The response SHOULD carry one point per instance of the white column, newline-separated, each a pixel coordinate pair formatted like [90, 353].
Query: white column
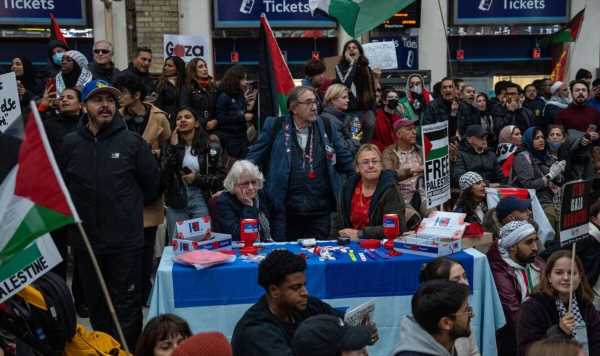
[119, 30]
[585, 53]
[433, 49]
[195, 18]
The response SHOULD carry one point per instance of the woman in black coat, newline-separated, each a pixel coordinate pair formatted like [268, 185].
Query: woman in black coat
[29, 86]
[546, 313]
[169, 87]
[200, 93]
[244, 199]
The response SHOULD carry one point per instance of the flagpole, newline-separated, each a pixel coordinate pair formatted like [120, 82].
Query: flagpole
[111, 307]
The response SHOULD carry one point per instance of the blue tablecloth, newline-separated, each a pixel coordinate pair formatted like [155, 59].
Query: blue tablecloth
[215, 299]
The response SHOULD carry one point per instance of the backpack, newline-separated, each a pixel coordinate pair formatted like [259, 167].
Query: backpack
[93, 343]
[45, 330]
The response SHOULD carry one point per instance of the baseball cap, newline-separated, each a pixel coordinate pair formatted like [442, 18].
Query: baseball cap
[402, 122]
[508, 205]
[475, 130]
[328, 335]
[98, 86]
[205, 344]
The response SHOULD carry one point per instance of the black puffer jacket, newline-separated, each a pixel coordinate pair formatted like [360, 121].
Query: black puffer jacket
[202, 101]
[110, 177]
[209, 179]
[486, 164]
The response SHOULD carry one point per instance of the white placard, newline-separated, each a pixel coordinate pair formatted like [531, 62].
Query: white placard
[184, 46]
[10, 109]
[381, 55]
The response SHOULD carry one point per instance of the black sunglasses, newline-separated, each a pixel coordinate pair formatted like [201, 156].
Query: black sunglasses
[101, 51]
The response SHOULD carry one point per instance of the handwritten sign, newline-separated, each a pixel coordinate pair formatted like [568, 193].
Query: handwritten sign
[10, 109]
[381, 55]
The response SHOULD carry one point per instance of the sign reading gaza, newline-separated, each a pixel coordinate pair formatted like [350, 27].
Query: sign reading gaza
[482, 12]
[281, 13]
[37, 12]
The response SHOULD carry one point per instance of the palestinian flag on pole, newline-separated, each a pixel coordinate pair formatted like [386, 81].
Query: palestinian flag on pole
[568, 34]
[55, 33]
[274, 75]
[33, 196]
[435, 141]
[358, 17]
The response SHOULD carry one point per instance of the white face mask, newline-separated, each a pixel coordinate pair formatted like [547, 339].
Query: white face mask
[417, 89]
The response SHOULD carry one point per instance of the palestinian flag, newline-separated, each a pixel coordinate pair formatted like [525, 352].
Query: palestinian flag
[55, 33]
[358, 17]
[33, 196]
[506, 156]
[560, 68]
[435, 141]
[570, 32]
[274, 75]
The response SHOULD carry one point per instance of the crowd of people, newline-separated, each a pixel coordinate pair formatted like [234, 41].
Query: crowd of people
[136, 152]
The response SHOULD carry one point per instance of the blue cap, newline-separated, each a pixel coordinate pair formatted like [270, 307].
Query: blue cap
[509, 204]
[98, 86]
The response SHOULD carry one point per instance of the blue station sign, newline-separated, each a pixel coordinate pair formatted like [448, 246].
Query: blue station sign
[37, 12]
[483, 12]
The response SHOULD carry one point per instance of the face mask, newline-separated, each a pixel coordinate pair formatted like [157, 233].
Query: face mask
[57, 58]
[392, 104]
[554, 146]
[417, 89]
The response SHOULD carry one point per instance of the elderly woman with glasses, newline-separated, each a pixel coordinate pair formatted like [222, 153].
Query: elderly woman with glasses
[244, 199]
[367, 196]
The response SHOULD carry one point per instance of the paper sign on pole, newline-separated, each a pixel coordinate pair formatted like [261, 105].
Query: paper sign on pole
[381, 55]
[574, 211]
[437, 163]
[27, 265]
[10, 109]
[184, 46]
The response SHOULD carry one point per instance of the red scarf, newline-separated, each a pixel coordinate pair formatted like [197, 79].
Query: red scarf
[204, 83]
[383, 136]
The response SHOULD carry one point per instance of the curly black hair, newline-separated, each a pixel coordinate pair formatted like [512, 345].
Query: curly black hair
[132, 83]
[277, 265]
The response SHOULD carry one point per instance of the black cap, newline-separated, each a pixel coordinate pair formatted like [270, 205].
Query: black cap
[328, 335]
[475, 130]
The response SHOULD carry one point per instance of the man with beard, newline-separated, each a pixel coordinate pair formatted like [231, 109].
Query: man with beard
[268, 327]
[440, 315]
[578, 115]
[140, 67]
[516, 269]
[111, 173]
[474, 155]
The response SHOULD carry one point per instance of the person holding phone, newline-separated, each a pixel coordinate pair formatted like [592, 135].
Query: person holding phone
[191, 170]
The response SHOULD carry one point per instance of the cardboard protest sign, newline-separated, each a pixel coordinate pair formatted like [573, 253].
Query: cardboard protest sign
[185, 47]
[574, 211]
[437, 163]
[10, 109]
[381, 55]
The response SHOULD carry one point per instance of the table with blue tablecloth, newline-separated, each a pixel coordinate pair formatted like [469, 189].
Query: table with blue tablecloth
[216, 298]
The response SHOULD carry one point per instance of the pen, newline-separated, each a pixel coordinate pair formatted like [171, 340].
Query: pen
[352, 256]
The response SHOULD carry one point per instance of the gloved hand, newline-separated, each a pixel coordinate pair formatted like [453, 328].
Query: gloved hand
[557, 169]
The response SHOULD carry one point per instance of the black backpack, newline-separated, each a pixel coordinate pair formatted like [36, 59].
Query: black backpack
[46, 331]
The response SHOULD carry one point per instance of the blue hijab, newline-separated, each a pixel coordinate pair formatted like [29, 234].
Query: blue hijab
[528, 143]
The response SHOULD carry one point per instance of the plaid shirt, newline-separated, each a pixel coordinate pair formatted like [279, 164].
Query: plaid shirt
[404, 161]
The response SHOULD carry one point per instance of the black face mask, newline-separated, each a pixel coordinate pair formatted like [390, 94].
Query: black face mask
[392, 104]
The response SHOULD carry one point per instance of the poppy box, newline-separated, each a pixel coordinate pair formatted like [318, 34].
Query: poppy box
[197, 229]
[216, 242]
[432, 247]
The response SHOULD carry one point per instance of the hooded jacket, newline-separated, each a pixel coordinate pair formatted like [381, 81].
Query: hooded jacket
[385, 200]
[485, 163]
[416, 341]
[110, 177]
[52, 69]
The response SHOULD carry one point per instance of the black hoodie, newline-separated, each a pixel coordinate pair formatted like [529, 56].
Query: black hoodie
[110, 177]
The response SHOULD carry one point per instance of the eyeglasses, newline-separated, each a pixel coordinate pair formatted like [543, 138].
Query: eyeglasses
[367, 162]
[468, 311]
[101, 51]
[247, 184]
[308, 102]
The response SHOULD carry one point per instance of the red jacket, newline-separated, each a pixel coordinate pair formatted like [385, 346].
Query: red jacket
[578, 117]
[510, 297]
[383, 136]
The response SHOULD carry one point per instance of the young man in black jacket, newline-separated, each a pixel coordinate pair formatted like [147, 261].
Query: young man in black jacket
[111, 173]
[268, 327]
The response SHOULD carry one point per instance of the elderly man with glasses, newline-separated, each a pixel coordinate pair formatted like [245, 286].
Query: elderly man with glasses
[304, 156]
[103, 67]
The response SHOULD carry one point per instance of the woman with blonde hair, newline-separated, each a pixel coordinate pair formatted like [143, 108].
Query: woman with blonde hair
[335, 106]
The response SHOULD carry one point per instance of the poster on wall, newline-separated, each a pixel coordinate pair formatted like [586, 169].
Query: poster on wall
[184, 46]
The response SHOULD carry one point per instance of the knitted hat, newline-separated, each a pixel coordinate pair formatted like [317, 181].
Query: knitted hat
[468, 180]
[515, 232]
[554, 88]
[78, 58]
[205, 344]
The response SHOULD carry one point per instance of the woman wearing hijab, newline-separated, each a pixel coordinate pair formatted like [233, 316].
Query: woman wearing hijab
[73, 72]
[417, 95]
[28, 86]
[534, 168]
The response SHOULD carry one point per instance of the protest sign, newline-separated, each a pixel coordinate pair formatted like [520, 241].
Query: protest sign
[185, 47]
[10, 109]
[437, 166]
[27, 265]
[574, 211]
[381, 55]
